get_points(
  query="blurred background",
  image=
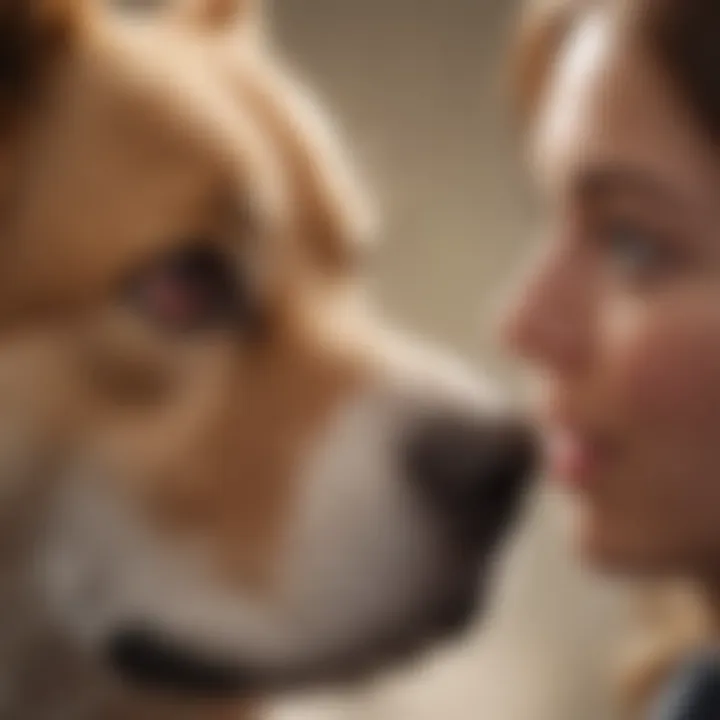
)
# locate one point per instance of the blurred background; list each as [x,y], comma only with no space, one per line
[416,86]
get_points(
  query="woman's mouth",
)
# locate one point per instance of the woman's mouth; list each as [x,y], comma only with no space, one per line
[574,458]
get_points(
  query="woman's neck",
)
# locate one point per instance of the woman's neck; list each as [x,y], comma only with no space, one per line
[712,595]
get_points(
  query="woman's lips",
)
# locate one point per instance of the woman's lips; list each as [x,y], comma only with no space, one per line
[574,458]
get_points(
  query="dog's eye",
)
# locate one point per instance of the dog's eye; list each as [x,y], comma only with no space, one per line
[189,290]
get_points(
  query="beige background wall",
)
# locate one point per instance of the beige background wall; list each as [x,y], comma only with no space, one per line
[416,86]
[413,82]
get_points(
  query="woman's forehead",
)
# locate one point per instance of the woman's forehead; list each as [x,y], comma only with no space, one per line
[609,104]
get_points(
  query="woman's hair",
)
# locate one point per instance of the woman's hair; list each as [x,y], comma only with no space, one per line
[683,36]
[683,39]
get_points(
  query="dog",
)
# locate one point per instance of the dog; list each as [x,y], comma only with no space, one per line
[222,475]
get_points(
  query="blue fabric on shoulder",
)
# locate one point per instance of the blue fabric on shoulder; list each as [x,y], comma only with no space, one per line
[693,693]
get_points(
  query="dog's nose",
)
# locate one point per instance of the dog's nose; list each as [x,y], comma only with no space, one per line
[473,471]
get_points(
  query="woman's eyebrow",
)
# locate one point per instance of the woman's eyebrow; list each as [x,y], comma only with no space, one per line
[602,182]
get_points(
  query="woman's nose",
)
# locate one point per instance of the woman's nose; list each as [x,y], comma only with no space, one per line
[548,322]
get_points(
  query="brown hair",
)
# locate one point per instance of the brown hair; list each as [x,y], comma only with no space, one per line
[683,37]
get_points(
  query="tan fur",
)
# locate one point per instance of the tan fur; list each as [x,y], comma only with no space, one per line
[255,470]
[34,35]
[111,108]
[177,160]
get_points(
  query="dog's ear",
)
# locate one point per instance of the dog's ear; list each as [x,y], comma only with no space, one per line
[32,34]
[223,14]
[336,220]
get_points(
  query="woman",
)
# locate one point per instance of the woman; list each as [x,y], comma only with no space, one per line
[620,316]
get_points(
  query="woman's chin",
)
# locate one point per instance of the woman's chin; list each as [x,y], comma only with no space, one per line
[605,549]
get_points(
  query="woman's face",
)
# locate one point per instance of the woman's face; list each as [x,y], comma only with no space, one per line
[621,315]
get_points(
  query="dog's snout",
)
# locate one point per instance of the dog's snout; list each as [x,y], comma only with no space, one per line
[472,470]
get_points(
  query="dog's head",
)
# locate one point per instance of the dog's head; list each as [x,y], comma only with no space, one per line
[217,473]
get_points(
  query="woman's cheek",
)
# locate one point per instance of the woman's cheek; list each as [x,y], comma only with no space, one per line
[663,369]
[659,387]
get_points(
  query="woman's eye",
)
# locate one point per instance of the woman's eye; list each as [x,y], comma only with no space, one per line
[631,250]
[187,290]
